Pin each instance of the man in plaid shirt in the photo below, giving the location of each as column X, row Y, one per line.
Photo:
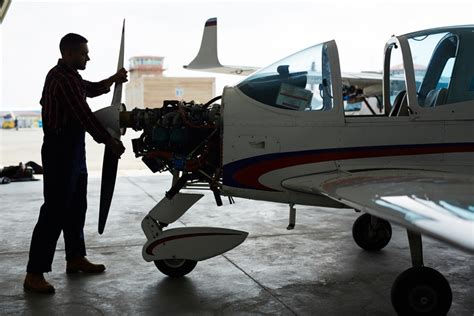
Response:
column 66, row 117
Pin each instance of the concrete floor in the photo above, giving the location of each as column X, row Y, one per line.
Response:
column 315, row 269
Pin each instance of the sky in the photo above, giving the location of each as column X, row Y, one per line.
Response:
column 250, row 33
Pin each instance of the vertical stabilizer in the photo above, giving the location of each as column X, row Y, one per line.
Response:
column 207, row 55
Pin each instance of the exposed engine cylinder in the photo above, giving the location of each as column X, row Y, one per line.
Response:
column 180, row 136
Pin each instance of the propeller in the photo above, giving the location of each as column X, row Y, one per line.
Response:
column 110, row 118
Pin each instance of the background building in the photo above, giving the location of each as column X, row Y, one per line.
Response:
column 148, row 87
column 20, row 119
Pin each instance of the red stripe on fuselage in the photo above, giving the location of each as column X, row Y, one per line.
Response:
column 248, row 176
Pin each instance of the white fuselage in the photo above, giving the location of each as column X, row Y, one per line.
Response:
column 263, row 146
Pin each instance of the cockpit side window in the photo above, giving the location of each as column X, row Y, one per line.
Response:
column 434, row 57
column 300, row 82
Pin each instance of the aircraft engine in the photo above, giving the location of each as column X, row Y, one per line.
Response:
column 180, row 137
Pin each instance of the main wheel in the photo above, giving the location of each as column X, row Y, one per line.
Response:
column 175, row 268
column 371, row 236
column 421, row 291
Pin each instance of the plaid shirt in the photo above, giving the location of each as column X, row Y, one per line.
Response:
column 64, row 102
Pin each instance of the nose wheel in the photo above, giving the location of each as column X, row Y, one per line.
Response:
column 421, row 291
column 371, row 233
column 175, row 268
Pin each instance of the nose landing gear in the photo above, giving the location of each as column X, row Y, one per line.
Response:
column 175, row 268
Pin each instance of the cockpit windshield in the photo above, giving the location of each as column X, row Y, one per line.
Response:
column 300, row 82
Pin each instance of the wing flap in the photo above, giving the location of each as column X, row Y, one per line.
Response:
column 434, row 203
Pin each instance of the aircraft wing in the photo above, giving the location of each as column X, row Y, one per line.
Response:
column 434, row 203
column 364, row 78
column 221, row 69
column 368, row 82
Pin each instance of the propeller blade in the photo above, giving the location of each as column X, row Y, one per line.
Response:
column 110, row 162
column 117, row 98
column 109, row 175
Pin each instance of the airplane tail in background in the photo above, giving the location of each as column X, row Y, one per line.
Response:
column 207, row 60
column 207, row 55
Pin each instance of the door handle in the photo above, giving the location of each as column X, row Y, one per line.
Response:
column 259, row 145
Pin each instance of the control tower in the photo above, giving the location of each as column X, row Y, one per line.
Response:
column 145, row 65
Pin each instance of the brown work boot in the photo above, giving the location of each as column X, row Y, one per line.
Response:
column 81, row 264
column 35, row 282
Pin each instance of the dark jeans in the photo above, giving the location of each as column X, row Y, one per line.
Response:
column 65, row 199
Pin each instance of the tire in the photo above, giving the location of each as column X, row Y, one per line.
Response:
column 175, row 268
column 369, row 237
column 421, row 291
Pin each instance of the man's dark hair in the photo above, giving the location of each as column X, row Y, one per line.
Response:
column 71, row 41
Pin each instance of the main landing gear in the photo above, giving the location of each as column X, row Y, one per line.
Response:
column 418, row 290
column 371, row 233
